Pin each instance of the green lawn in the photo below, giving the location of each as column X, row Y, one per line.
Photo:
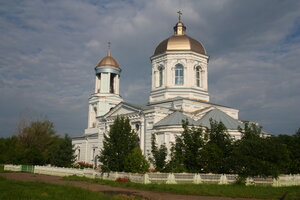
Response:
column 18, row 190
column 1, row 168
column 264, row 192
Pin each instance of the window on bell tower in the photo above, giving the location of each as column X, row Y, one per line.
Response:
column 179, row 79
column 161, row 78
column 198, row 76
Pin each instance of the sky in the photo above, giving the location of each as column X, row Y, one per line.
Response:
column 48, row 51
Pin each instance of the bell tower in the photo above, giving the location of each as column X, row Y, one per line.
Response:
column 107, row 88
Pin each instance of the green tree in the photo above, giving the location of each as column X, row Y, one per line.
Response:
column 36, row 144
column 292, row 143
column 216, row 153
column 136, row 162
column 61, row 152
column 120, row 141
column 8, row 151
column 259, row 156
column 159, row 155
column 185, row 153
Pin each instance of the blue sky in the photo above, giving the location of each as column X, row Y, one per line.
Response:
column 48, row 51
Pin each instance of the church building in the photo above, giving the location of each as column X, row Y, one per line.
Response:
column 179, row 91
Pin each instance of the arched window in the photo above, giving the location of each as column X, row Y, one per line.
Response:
column 78, row 155
column 112, row 83
column 198, row 76
column 179, row 80
column 161, row 78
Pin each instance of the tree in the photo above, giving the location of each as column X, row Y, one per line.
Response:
column 136, row 162
column 159, row 155
column 259, row 156
column 61, row 152
column 120, row 141
column 185, row 153
column 292, row 143
column 36, row 144
column 216, row 153
column 34, row 141
column 8, row 152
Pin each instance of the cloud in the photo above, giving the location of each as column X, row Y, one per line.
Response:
column 48, row 51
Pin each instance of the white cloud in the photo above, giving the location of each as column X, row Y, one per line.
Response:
column 48, row 51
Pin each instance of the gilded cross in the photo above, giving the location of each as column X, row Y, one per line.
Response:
column 179, row 15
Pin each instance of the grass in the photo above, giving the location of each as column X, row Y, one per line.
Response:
column 262, row 192
column 19, row 190
column 1, row 168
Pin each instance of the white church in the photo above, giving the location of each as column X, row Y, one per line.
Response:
column 179, row 91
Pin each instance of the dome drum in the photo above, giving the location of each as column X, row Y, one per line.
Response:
column 107, row 69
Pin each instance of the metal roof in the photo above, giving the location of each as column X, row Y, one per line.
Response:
column 178, row 98
column 138, row 106
column 94, row 135
column 220, row 116
column 175, row 119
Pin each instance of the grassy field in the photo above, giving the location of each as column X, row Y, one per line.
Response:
column 18, row 190
column 1, row 168
column 263, row 192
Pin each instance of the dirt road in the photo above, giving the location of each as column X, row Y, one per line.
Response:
column 149, row 195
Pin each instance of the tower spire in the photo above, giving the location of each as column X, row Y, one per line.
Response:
column 108, row 49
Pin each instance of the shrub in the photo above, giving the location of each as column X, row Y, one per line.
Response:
column 123, row 179
column 82, row 165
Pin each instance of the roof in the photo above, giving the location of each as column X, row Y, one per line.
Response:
column 184, row 98
column 180, row 42
column 108, row 61
column 138, row 106
column 175, row 119
column 219, row 116
column 94, row 135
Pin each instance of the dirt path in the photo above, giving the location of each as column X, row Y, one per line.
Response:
column 149, row 195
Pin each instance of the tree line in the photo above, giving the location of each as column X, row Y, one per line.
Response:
column 195, row 150
column 36, row 143
column 203, row 150
column 212, row 150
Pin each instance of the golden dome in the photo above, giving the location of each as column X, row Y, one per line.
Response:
column 179, row 41
column 108, row 61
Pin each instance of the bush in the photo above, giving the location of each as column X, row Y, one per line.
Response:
column 123, row 179
column 82, row 165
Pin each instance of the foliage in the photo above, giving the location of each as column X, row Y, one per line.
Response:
column 118, row 144
column 61, row 153
column 231, row 190
column 159, row 155
column 123, row 179
column 36, row 144
column 82, row 165
column 8, row 151
column 292, row 143
column 20, row 190
column 186, row 152
column 135, row 162
column 259, row 156
column 197, row 150
column 216, row 153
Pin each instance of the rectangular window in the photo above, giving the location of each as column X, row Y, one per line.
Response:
column 179, row 75
column 160, row 77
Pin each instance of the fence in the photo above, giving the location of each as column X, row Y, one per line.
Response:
column 167, row 178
